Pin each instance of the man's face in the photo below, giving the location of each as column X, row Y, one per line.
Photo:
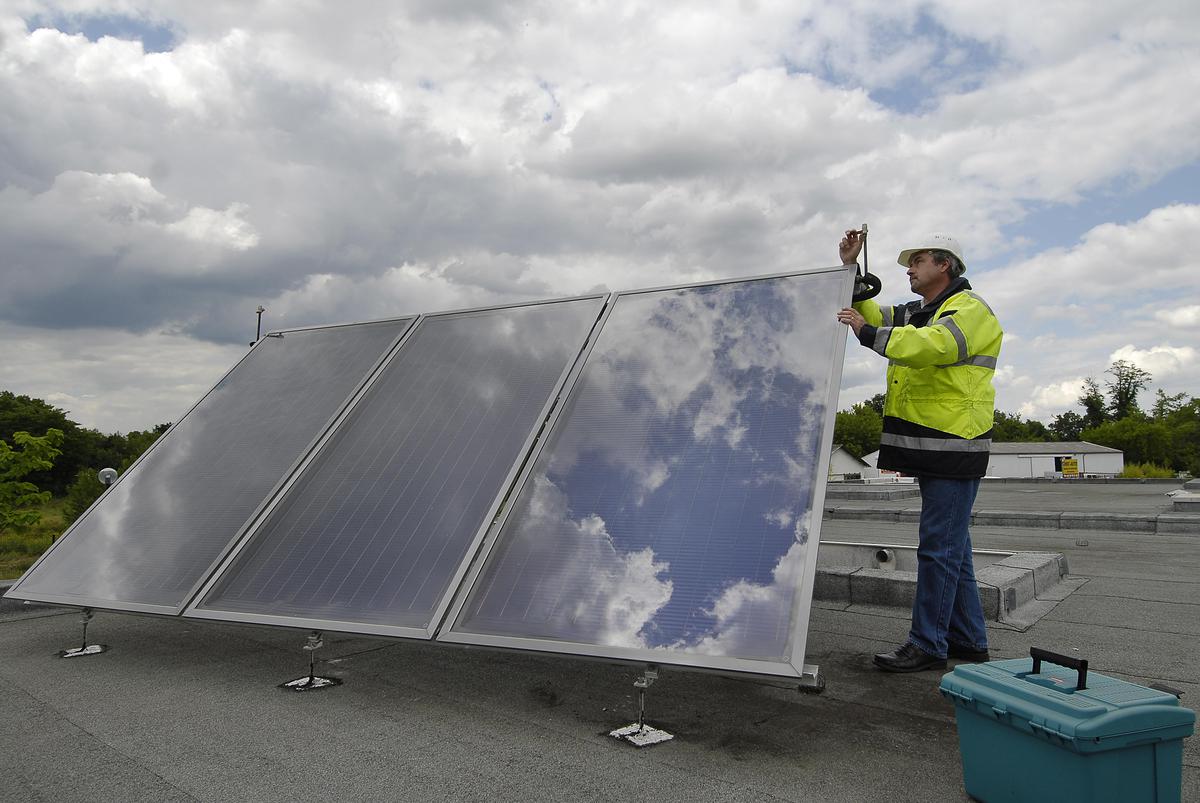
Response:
column 923, row 272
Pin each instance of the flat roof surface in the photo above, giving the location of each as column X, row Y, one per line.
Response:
column 184, row 710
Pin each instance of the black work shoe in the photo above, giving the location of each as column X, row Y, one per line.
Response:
column 908, row 658
column 961, row 653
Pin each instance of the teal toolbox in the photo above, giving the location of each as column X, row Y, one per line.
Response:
column 1029, row 732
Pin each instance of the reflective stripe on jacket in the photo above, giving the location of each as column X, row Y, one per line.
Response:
column 937, row 419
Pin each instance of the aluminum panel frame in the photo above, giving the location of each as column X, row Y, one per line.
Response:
column 793, row 668
column 194, row 609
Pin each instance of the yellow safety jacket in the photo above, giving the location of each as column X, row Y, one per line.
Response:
column 937, row 417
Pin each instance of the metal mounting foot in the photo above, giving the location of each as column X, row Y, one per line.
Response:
column 811, row 681
column 639, row 734
column 84, row 649
column 312, row 681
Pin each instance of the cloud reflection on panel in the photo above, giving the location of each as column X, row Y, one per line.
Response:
column 671, row 507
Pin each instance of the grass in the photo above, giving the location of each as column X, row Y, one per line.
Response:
column 20, row 548
column 1147, row 470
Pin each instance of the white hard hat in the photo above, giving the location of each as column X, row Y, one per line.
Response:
column 934, row 242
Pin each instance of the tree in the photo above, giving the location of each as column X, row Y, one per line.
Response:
column 81, row 448
column 858, row 429
column 876, row 403
column 1183, row 424
column 1067, row 426
column 27, row 414
column 1010, row 427
column 82, row 491
column 19, row 500
column 1165, row 405
column 1094, row 407
column 1128, row 380
column 1141, row 439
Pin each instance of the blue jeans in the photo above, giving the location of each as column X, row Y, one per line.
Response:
column 947, row 606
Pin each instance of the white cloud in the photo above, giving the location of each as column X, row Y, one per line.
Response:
column 1161, row 361
column 1188, row 316
column 109, row 379
column 334, row 166
column 220, row 228
column 1115, row 294
column 1111, row 261
column 1048, row 400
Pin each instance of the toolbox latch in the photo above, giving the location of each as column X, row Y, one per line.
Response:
column 962, row 697
column 1048, row 732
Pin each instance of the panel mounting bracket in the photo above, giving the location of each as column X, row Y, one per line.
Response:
column 84, row 649
column 639, row 734
column 811, row 680
column 313, row 681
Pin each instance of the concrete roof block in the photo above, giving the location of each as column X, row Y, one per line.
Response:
column 833, row 583
column 883, row 587
column 1017, row 518
column 1117, row 522
column 1178, row 523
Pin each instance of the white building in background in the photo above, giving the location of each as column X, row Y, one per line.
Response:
column 1017, row 459
column 842, row 463
column 1046, row 459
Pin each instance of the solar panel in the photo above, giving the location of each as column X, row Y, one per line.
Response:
column 373, row 534
column 672, row 514
column 150, row 541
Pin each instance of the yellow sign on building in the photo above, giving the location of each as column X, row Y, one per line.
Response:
column 1070, row 467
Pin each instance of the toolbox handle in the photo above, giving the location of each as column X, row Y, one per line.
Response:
column 1078, row 664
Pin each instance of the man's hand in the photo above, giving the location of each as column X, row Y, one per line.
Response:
column 850, row 247
column 852, row 319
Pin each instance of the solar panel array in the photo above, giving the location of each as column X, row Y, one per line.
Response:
column 637, row 476
column 374, row 532
column 156, row 534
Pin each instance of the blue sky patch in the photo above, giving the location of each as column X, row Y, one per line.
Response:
column 155, row 37
column 956, row 64
column 1051, row 225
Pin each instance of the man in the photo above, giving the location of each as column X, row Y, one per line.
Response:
column 937, row 425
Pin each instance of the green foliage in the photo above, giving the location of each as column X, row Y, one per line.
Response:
column 1165, row 405
column 1147, row 471
column 82, row 491
column 1141, row 439
column 876, row 403
column 1009, row 427
column 1128, row 380
column 81, row 448
column 1183, row 424
column 27, row 414
column 858, row 429
column 19, row 499
column 20, row 548
column 44, row 455
column 1067, row 426
column 1095, row 409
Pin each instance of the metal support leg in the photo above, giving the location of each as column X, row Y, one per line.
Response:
column 84, row 649
column 639, row 734
column 311, row 682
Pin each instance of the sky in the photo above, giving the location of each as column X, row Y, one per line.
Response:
column 167, row 167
